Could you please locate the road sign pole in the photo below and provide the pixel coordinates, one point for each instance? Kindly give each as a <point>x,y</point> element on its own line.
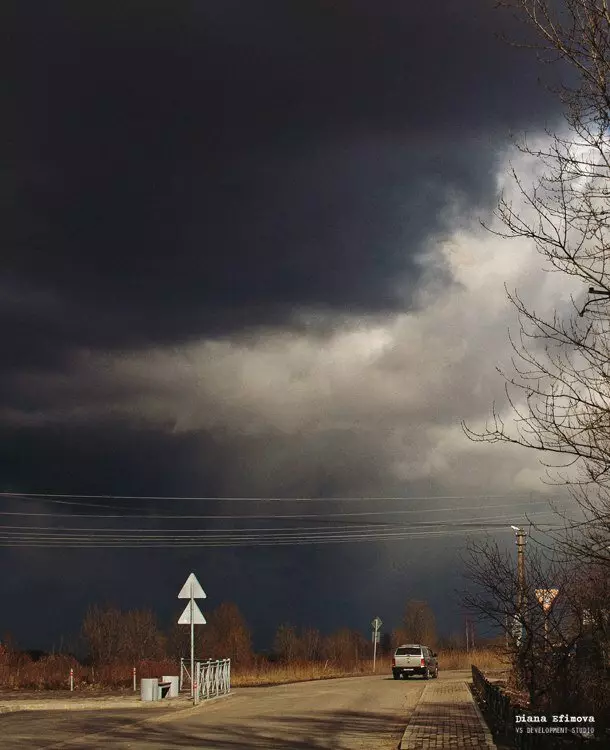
<point>192,616</point>
<point>375,652</point>
<point>376,625</point>
<point>192,644</point>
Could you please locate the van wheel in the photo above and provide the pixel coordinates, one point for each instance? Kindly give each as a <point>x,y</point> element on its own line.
<point>396,675</point>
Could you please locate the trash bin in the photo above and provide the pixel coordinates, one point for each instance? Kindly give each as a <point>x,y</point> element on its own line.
<point>149,689</point>
<point>175,685</point>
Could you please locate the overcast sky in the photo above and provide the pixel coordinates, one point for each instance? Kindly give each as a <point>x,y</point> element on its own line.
<point>242,258</point>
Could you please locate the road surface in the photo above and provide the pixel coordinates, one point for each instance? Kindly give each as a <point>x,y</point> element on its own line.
<point>362,713</point>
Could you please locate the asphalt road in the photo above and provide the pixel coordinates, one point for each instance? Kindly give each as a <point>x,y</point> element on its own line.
<point>362,713</point>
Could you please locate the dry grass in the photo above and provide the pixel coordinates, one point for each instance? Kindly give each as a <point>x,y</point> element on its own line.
<point>49,673</point>
<point>53,672</point>
<point>483,658</point>
<point>264,673</point>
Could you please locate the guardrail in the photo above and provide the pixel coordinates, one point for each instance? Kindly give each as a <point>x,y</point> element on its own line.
<point>503,712</point>
<point>212,678</point>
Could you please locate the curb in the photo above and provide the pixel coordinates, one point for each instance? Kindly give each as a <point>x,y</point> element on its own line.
<point>111,705</point>
<point>488,735</point>
<point>403,739</point>
<point>175,705</point>
<point>28,707</point>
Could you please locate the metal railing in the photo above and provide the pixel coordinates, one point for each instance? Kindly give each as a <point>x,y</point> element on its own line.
<point>503,712</point>
<point>212,678</point>
<point>185,674</point>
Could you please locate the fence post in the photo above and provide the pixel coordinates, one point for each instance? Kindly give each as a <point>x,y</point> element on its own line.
<point>71,679</point>
<point>134,680</point>
<point>197,682</point>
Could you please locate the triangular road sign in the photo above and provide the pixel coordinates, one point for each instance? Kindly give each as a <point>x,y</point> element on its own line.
<point>192,587</point>
<point>185,617</point>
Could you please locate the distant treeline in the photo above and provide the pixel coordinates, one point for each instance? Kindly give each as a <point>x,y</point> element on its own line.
<point>110,636</point>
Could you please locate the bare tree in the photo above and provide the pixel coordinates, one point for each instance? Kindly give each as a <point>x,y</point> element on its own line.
<point>311,641</point>
<point>178,641</point>
<point>345,647</point>
<point>140,637</point>
<point>419,622</point>
<point>559,387</point>
<point>227,635</point>
<point>286,644</point>
<point>385,646</point>
<point>550,648</point>
<point>102,632</point>
<point>398,637</point>
<point>113,635</point>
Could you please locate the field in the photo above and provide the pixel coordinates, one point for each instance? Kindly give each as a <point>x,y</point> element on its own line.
<point>53,672</point>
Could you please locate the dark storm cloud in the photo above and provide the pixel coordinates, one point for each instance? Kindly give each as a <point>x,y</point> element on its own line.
<point>187,169</point>
<point>101,457</point>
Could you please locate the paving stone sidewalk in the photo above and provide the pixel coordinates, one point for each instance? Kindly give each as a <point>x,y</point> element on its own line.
<point>446,716</point>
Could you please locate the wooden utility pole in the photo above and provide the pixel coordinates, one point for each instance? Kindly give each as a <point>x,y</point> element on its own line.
<point>469,634</point>
<point>521,538</point>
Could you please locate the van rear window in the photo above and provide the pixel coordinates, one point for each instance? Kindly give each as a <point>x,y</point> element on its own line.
<point>409,651</point>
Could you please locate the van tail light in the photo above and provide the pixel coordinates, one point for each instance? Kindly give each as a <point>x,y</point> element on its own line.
<point>423,662</point>
<point>393,662</point>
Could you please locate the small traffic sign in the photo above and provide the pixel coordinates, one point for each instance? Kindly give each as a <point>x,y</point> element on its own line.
<point>185,617</point>
<point>546,597</point>
<point>376,623</point>
<point>192,588</point>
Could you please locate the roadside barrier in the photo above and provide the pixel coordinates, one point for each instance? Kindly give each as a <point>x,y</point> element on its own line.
<point>212,678</point>
<point>503,712</point>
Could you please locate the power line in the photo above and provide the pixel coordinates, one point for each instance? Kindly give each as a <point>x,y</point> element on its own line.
<point>219,498</point>
<point>474,522</point>
<point>89,542</point>
<point>531,504</point>
<point>146,537</point>
<point>259,529</point>
<point>248,516</point>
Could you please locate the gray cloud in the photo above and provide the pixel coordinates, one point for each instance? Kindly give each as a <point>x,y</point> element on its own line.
<point>358,405</point>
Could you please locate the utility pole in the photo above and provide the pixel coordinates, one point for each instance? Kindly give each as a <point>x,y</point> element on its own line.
<point>469,629</point>
<point>521,538</point>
